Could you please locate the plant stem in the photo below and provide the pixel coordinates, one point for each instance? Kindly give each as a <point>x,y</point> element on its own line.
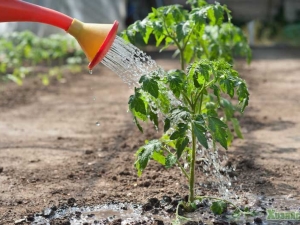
<point>192,169</point>
<point>182,58</point>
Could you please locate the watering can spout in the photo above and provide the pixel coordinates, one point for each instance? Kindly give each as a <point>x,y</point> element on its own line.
<point>94,39</point>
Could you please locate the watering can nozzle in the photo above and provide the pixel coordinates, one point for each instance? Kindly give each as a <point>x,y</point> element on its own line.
<point>94,39</point>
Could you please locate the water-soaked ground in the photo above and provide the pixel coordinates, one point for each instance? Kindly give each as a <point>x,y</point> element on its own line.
<point>51,149</point>
<point>161,211</point>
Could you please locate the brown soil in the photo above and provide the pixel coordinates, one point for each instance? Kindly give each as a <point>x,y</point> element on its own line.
<point>51,149</point>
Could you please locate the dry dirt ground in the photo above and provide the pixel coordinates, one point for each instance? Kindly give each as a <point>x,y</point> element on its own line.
<point>51,149</point>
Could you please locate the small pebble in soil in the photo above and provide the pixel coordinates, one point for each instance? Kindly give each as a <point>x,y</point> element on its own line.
<point>48,212</point>
<point>21,221</point>
<point>1,169</point>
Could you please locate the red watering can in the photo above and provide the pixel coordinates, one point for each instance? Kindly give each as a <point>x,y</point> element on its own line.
<point>94,39</point>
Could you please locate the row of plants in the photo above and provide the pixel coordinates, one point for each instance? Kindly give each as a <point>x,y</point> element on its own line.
<point>199,103</point>
<point>20,52</point>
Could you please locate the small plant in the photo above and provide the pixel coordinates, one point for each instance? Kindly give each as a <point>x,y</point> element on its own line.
<point>21,51</point>
<point>194,102</point>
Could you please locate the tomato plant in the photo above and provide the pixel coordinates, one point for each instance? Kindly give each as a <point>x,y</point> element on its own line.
<point>20,51</point>
<point>194,102</point>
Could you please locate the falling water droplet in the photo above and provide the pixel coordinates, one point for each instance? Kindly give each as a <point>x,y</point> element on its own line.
<point>91,71</point>
<point>97,124</point>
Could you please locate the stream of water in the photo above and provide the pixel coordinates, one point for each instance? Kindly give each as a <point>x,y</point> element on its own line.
<point>128,62</point>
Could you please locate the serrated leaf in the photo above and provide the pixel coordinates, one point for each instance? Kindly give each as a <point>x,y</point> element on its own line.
<point>218,130</point>
<point>137,106</point>
<point>200,131</point>
<point>180,114</point>
<point>145,153</point>
<point>237,128</point>
<point>227,86</point>
<point>180,146</point>
<point>175,79</point>
<point>150,85</point>
<point>216,14</point>
<point>218,207</point>
<point>182,30</point>
<point>170,160</point>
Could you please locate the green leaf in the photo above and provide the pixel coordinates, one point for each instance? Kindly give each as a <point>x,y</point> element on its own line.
<point>150,85</point>
<point>144,29</point>
<point>182,30</point>
<point>218,130</point>
<point>227,86</point>
<point>154,118</point>
<point>167,125</point>
<point>216,14</point>
<point>180,114</point>
<point>216,92</point>
<point>145,153</point>
<point>176,80</point>
<point>218,207</point>
<point>237,128</point>
<point>200,131</point>
<point>170,160</point>
<point>243,96</point>
<point>180,146</point>
<point>228,108</point>
<point>180,132</point>
<point>137,124</point>
<point>137,106</point>
<point>159,157</point>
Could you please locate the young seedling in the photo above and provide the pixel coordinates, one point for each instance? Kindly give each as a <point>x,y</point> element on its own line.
<point>195,101</point>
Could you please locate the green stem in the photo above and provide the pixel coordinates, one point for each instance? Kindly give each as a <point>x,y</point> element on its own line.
<point>187,99</point>
<point>192,169</point>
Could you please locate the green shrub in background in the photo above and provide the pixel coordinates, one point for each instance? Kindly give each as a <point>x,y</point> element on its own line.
<point>21,51</point>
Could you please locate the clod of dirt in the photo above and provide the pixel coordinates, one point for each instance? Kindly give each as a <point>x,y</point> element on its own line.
<point>1,169</point>
<point>71,201</point>
<point>30,218</point>
<point>167,199</point>
<point>158,222</point>
<point>154,202</point>
<point>193,223</point>
<point>88,152</point>
<point>116,222</point>
<point>147,207</point>
<point>63,221</point>
<point>258,220</point>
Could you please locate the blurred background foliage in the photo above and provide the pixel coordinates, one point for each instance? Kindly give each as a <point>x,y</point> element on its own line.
<point>24,53</point>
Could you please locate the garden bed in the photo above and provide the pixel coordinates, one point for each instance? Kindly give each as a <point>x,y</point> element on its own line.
<point>51,149</point>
